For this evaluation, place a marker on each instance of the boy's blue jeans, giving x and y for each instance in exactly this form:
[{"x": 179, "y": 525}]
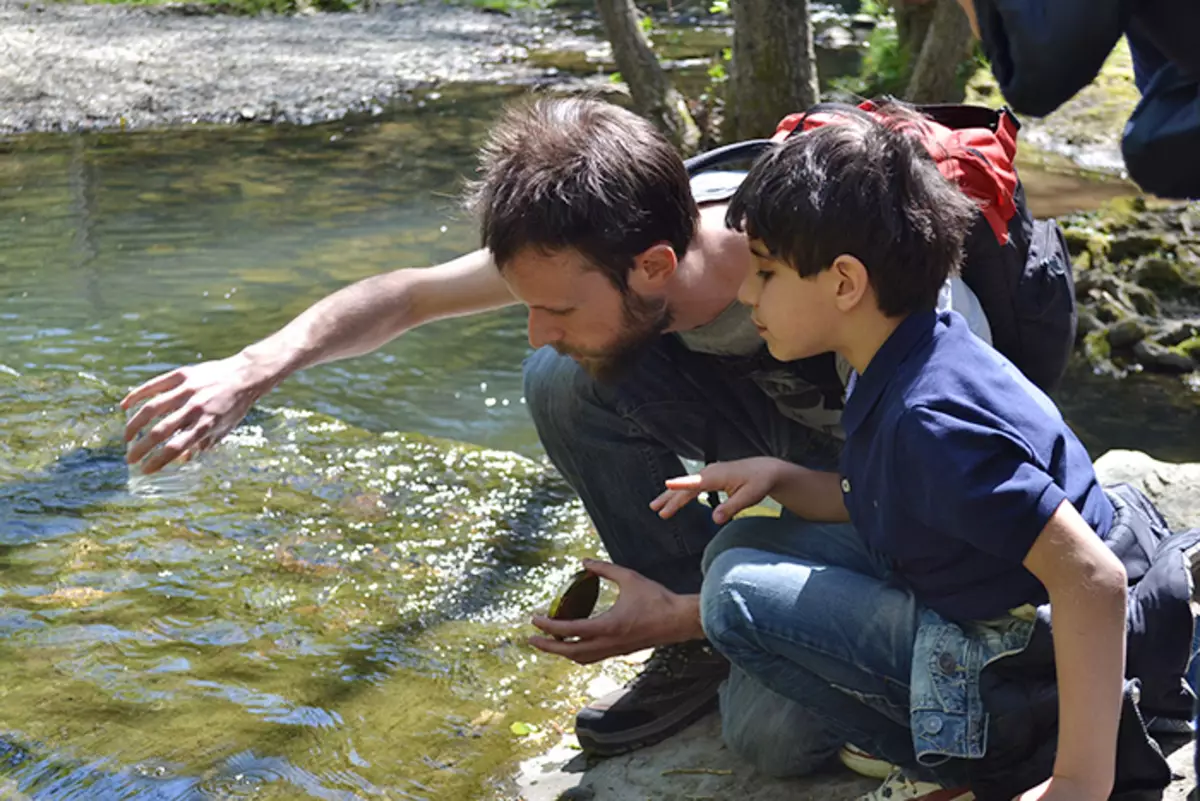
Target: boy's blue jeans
[
  {"x": 616, "y": 444},
  {"x": 821, "y": 639}
]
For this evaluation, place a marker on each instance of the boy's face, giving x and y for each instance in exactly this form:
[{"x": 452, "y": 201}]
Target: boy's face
[
  {"x": 580, "y": 314},
  {"x": 795, "y": 316}
]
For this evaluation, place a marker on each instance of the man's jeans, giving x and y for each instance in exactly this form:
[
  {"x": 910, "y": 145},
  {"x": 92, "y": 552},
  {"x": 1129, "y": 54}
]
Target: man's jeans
[
  {"x": 821, "y": 640},
  {"x": 616, "y": 444}
]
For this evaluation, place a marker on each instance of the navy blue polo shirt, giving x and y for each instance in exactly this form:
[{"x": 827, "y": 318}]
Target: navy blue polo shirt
[{"x": 954, "y": 462}]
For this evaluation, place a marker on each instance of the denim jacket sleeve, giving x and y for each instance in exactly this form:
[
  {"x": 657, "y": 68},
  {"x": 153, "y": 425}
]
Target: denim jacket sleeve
[{"x": 946, "y": 713}]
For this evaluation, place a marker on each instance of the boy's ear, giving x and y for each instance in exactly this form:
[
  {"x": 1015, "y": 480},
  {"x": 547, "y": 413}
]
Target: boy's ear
[
  {"x": 652, "y": 268},
  {"x": 853, "y": 282}
]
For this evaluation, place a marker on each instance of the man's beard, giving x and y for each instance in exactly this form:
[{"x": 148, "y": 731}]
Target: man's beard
[{"x": 643, "y": 321}]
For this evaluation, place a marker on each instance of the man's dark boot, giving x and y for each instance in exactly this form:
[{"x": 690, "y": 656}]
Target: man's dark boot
[{"x": 677, "y": 687}]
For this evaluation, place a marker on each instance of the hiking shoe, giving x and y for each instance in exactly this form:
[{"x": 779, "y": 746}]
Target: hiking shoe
[
  {"x": 899, "y": 788},
  {"x": 864, "y": 764},
  {"x": 677, "y": 686}
]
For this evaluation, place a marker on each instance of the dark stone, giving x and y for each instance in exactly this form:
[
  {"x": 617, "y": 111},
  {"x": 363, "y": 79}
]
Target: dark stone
[
  {"x": 1088, "y": 323},
  {"x": 1175, "y": 333},
  {"x": 1136, "y": 243},
  {"x": 577, "y": 794},
  {"x": 1126, "y": 333},
  {"x": 1153, "y": 356},
  {"x": 1159, "y": 274},
  {"x": 1143, "y": 300}
]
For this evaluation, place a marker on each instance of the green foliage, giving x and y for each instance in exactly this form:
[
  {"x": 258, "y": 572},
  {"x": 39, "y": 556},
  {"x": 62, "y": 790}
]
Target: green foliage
[
  {"x": 511, "y": 5},
  {"x": 719, "y": 7},
  {"x": 875, "y": 8},
  {"x": 885, "y": 68},
  {"x": 646, "y": 23},
  {"x": 717, "y": 72}
]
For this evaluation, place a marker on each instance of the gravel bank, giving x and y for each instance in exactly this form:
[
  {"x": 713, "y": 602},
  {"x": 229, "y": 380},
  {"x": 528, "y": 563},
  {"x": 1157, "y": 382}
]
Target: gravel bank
[{"x": 73, "y": 67}]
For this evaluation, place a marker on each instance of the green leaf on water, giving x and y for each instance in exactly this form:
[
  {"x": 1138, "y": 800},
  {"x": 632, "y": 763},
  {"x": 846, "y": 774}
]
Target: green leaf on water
[{"x": 521, "y": 729}]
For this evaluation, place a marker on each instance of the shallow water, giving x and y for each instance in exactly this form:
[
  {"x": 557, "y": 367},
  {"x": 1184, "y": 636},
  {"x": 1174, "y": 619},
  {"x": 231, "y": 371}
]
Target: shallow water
[{"x": 328, "y": 609}]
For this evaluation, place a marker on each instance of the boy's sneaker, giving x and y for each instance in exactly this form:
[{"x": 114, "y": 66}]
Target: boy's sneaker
[
  {"x": 864, "y": 764},
  {"x": 677, "y": 687},
  {"x": 899, "y": 788}
]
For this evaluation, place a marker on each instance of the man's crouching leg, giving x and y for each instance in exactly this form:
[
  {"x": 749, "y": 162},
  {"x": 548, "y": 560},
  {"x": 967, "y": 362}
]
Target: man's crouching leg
[
  {"x": 776, "y": 735},
  {"x": 616, "y": 445}
]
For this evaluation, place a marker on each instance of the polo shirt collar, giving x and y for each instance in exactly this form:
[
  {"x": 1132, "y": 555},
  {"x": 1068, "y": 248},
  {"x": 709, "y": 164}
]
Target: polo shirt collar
[{"x": 865, "y": 390}]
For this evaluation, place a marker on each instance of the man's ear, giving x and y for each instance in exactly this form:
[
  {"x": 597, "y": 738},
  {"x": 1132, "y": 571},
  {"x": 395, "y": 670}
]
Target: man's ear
[
  {"x": 853, "y": 283},
  {"x": 652, "y": 268}
]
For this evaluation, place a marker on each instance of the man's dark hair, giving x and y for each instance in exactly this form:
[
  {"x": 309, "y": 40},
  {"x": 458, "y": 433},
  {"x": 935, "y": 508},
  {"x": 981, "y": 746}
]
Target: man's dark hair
[
  {"x": 585, "y": 174},
  {"x": 865, "y": 188}
]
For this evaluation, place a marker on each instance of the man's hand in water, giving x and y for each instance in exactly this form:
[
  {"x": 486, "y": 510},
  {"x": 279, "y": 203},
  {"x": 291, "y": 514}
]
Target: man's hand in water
[
  {"x": 645, "y": 615},
  {"x": 199, "y": 404}
]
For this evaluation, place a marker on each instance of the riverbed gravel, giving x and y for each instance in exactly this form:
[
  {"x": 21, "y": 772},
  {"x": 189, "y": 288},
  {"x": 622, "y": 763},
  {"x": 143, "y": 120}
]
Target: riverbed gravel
[{"x": 81, "y": 67}]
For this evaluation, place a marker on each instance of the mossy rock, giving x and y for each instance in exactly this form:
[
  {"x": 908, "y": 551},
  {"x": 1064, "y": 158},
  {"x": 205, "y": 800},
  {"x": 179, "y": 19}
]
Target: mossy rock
[
  {"x": 1165, "y": 275},
  {"x": 1109, "y": 308},
  {"x": 1177, "y": 333},
  {"x": 1087, "y": 323},
  {"x": 1155, "y": 357},
  {"x": 1133, "y": 245},
  {"x": 1126, "y": 333},
  {"x": 1143, "y": 300},
  {"x": 1096, "y": 347},
  {"x": 1084, "y": 240},
  {"x": 1189, "y": 348}
]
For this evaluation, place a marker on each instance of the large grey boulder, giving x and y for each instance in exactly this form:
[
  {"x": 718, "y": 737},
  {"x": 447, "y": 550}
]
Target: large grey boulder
[{"x": 1174, "y": 488}]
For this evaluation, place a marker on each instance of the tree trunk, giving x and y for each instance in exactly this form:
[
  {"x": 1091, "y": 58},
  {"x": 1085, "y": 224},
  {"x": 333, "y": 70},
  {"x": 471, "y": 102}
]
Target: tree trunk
[
  {"x": 774, "y": 67},
  {"x": 653, "y": 95},
  {"x": 935, "y": 74},
  {"x": 912, "y": 23}
]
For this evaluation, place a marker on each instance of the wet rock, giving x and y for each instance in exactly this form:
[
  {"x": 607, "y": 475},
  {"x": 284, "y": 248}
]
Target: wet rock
[
  {"x": 1163, "y": 275},
  {"x": 1190, "y": 348},
  {"x": 1142, "y": 300},
  {"x": 835, "y": 37},
  {"x": 1153, "y": 356},
  {"x": 1126, "y": 333},
  {"x": 1177, "y": 332},
  {"x": 863, "y": 22},
  {"x": 71, "y": 596},
  {"x": 1170, "y": 486},
  {"x": 1085, "y": 240},
  {"x": 1137, "y": 243},
  {"x": 1086, "y": 324}
]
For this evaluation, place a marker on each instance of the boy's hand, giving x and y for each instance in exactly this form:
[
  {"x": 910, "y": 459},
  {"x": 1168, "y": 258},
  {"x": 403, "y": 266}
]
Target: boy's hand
[{"x": 745, "y": 482}]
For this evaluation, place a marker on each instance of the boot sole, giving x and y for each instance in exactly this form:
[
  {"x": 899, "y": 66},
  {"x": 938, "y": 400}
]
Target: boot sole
[{"x": 622, "y": 742}]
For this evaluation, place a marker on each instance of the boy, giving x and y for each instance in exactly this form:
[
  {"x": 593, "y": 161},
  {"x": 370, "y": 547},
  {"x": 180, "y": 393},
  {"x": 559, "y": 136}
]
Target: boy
[{"x": 972, "y": 504}]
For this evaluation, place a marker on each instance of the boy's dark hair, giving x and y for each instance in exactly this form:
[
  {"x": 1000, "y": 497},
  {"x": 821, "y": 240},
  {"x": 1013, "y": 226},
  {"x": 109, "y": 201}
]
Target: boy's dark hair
[
  {"x": 865, "y": 188},
  {"x": 585, "y": 174}
]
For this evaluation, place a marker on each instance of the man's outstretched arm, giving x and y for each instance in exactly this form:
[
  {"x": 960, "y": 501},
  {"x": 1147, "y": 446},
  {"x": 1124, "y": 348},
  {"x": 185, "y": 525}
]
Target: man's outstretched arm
[{"x": 201, "y": 403}]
